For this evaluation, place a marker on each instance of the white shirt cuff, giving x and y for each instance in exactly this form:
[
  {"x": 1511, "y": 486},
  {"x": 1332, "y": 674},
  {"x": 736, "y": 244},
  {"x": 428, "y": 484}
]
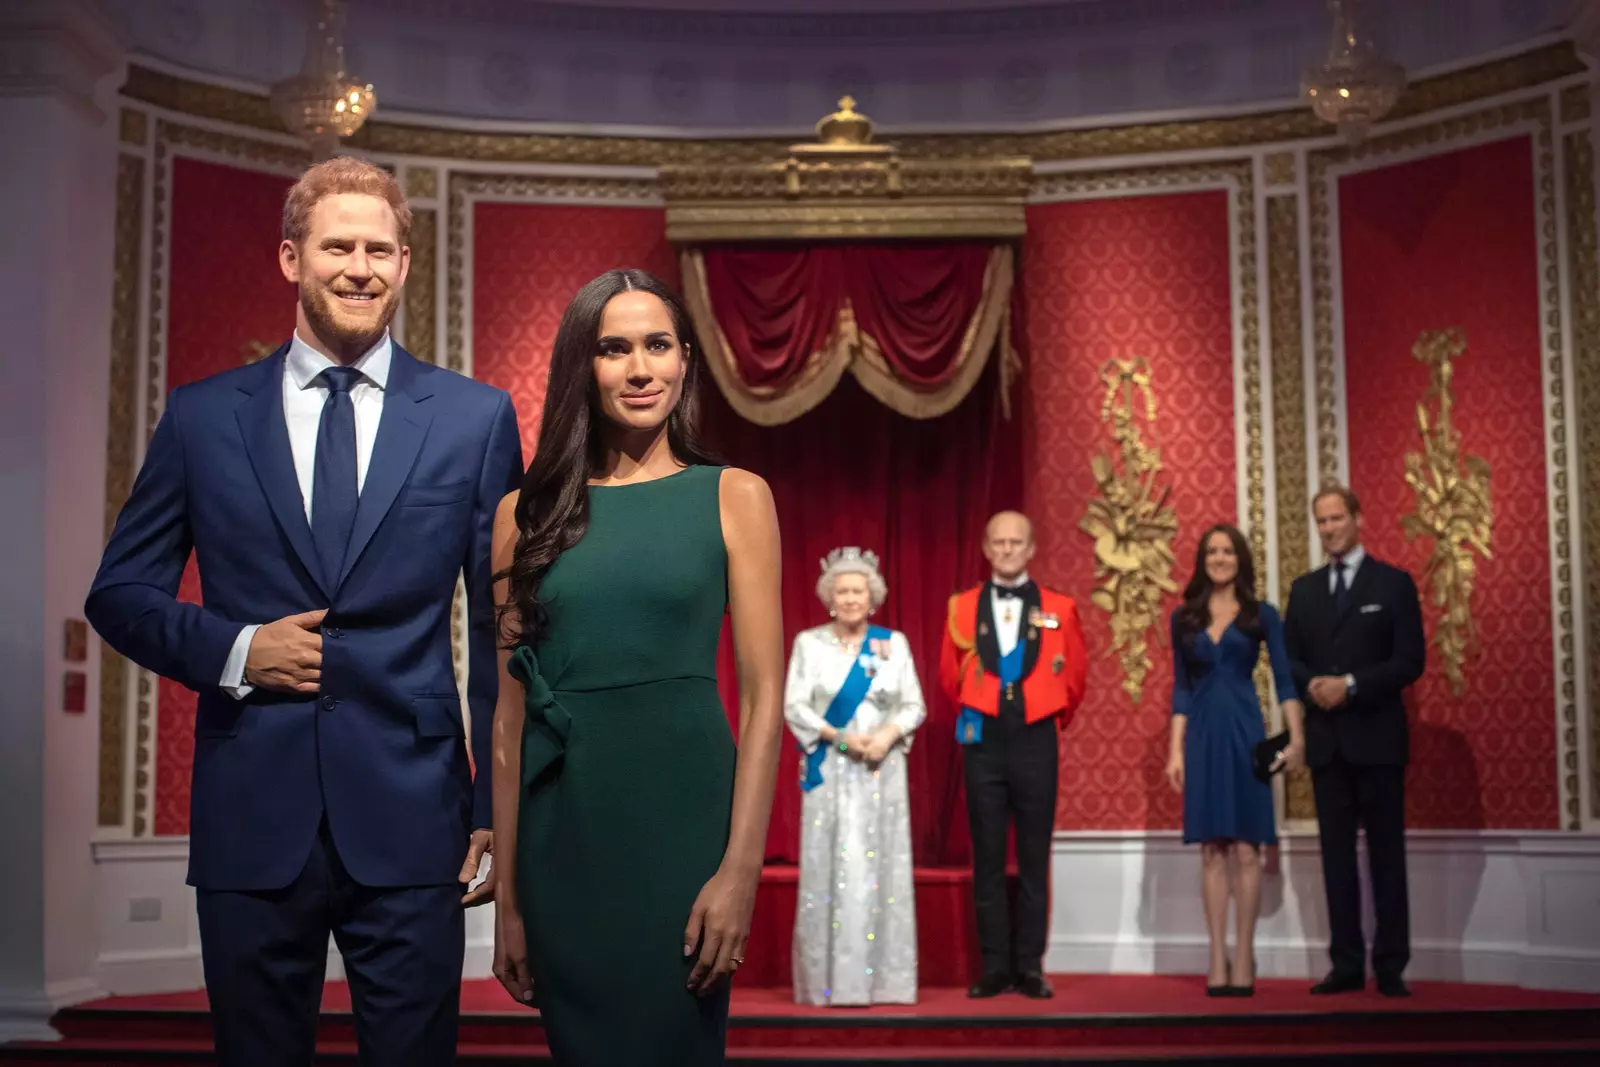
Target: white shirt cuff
[{"x": 232, "y": 681}]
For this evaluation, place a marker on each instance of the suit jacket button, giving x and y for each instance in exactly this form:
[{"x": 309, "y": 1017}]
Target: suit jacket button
[
  {"x": 328, "y": 703},
  {"x": 333, "y": 631}
]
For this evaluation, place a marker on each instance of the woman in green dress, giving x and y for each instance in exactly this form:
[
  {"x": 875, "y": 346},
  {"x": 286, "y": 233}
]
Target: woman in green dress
[{"x": 631, "y": 830}]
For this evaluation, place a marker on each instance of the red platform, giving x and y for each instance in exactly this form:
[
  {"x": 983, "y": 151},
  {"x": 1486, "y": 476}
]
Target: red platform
[
  {"x": 1099, "y": 1019},
  {"x": 947, "y": 929}
]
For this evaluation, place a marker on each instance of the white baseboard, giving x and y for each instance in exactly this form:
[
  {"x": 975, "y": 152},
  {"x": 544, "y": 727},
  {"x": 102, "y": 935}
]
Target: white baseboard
[
  {"x": 1506, "y": 907},
  {"x": 1497, "y": 907},
  {"x": 160, "y": 970}
]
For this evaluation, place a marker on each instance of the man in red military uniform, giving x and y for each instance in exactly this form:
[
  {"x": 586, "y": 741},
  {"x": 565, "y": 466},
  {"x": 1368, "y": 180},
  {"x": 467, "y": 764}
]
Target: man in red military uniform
[{"x": 1013, "y": 661}]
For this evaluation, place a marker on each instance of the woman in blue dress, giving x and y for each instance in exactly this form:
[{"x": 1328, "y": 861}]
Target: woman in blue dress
[{"x": 1217, "y": 634}]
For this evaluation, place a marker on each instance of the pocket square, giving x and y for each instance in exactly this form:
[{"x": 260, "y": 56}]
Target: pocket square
[{"x": 1368, "y": 609}]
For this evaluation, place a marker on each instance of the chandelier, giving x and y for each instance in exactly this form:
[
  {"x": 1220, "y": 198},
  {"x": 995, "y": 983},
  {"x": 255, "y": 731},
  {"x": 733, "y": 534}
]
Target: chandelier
[
  {"x": 323, "y": 103},
  {"x": 1354, "y": 86}
]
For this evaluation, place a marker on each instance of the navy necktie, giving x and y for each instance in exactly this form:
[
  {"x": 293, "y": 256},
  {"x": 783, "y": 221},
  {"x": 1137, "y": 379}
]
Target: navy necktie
[
  {"x": 334, "y": 492},
  {"x": 1341, "y": 586}
]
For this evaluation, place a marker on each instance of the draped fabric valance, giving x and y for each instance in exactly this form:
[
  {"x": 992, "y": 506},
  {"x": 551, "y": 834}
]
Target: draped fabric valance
[{"x": 914, "y": 323}]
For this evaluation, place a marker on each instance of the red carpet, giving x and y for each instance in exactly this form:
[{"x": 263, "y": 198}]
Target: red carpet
[
  {"x": 1093, "y": 1019},
  {"x": 1076, "y": 994}
]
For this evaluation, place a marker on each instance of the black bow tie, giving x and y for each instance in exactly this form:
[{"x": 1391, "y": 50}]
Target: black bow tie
[{"x": 1007, "y": 592}]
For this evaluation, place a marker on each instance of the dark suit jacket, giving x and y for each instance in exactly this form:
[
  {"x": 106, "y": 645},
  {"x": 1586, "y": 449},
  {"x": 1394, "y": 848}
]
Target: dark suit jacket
[
  {"x": 1378, "y": 638},
  {"x": 381, "y": 750}
]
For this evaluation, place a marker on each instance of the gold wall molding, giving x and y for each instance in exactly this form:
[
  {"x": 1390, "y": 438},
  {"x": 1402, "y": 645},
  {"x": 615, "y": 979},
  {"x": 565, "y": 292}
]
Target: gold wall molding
[
  {"x": 422, "y": 183},
  {"x": 154, "y": 378},
  {"x": 202, "y": 99},
  {"x": 422, "y": 290},
  {"x": 1583, "y": 265},
  {"x": 1280, "y": 168},
  {"x": 133, "y": 127},
  {"x": 1560, "y": 436},
  {"x": 122, "y": 448},
  {"x": 1130, "y": 522},
  {"x": 1289, "y": 431},
  {"x": 467, "y": 187},
  {"x": 1454, "y": 506},
  {"x": 1575, "y": 104}
]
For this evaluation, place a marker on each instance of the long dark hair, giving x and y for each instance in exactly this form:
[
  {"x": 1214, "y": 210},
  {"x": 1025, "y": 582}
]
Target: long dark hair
[
  {"x": 553, "y": 505},
  {"x": 1195, "y": 613}
]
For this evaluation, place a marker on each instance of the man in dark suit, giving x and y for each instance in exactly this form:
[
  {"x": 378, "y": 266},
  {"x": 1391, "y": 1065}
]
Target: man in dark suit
[
  {"x": 332, "y": 494},
  {"x": 1354, "y": 631}
]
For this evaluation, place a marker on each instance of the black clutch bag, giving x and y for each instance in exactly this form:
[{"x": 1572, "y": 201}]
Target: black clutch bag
[{"x": 1266, "y": 754}]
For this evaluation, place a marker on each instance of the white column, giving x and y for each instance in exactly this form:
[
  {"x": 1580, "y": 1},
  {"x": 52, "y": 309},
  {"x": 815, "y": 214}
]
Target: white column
[{"x": 57, "y": 59}]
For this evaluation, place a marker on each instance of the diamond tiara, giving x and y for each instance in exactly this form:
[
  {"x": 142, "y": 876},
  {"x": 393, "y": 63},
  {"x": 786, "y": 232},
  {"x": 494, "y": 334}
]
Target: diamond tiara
[{"x": 850, "y": 554}]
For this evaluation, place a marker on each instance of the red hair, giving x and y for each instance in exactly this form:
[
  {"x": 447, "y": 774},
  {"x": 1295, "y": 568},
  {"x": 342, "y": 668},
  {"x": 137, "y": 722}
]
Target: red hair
[{"x": 342, "y": 174}]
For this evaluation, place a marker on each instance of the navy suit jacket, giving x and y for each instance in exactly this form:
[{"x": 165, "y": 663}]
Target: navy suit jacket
[
  {"x": 1378, "y": 638},
  {"x": 380, "y": 751}
]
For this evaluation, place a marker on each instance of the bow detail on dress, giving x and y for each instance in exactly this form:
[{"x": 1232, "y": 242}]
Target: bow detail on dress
[{"x": 544, "y": 736}]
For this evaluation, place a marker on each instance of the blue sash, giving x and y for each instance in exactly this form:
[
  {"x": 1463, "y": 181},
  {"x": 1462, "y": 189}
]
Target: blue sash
[
  {"x": 843, "y": 706},
  {"x": 969, "y": 723}
]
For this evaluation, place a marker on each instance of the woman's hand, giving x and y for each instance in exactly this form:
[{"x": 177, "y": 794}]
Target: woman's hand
[
  {"x": 855, "y": 745},
  {"x": 1174, "y": 771},
  {"x": 719, "y": 925},
  {"x": 879, "y": 743},
  {"x": 511, "y": 952},
  {"x": 1293, "y": 757}
]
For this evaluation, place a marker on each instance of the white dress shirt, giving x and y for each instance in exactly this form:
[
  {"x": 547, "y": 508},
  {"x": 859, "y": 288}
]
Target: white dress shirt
[
  {"x": 1006, "y": 629},
  {"x": 1351, "y": 563},
  {"x": 304, "y": 394}
]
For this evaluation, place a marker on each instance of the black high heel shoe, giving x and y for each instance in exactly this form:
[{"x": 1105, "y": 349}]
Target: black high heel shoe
[
  {"x": 1226, "y": 988},
  {"x": 1231, "y": 990}
]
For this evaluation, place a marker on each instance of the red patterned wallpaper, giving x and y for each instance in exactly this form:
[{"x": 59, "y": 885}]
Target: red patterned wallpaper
[
  {"x": 527, "y": 262},
  {"x": 1451, "y": 241},
  {"x": 224, "y": 292},
  {"x": 1137, "y": 276}
]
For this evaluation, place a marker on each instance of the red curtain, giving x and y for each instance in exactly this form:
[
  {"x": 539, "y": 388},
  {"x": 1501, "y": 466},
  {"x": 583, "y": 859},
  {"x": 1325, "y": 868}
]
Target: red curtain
[
  {"x": 775, "y": 306},
  {"x": 779, "y": 305},
  {"x": 915, "y": 491}
]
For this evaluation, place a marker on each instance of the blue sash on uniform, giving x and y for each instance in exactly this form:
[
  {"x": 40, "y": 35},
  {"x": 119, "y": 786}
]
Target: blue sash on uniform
[
  {"x": 969, "y": 723},
  {"x": 843, "y": 706}
]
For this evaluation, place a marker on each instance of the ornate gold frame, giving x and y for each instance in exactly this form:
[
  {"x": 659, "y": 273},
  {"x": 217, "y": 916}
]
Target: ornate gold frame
[{"x": 1583, "y": 265}]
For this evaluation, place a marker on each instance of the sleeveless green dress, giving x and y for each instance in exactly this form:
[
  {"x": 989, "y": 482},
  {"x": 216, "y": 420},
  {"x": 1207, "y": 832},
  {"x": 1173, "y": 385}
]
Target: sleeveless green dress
[{"x": 627, "y": 777}]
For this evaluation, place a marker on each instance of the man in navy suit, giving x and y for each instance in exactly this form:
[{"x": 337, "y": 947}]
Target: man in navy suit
[
  {"x": 332, "y": 494},
  {"x": 1354, "y": 631}
]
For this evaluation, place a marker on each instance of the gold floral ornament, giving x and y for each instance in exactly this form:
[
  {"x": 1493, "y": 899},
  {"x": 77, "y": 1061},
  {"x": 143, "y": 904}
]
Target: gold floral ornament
[
  {"x": 1454, "y": 506},
  {"x": 1131, "y": 523},
  {"x": 255, "y": 351}
]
